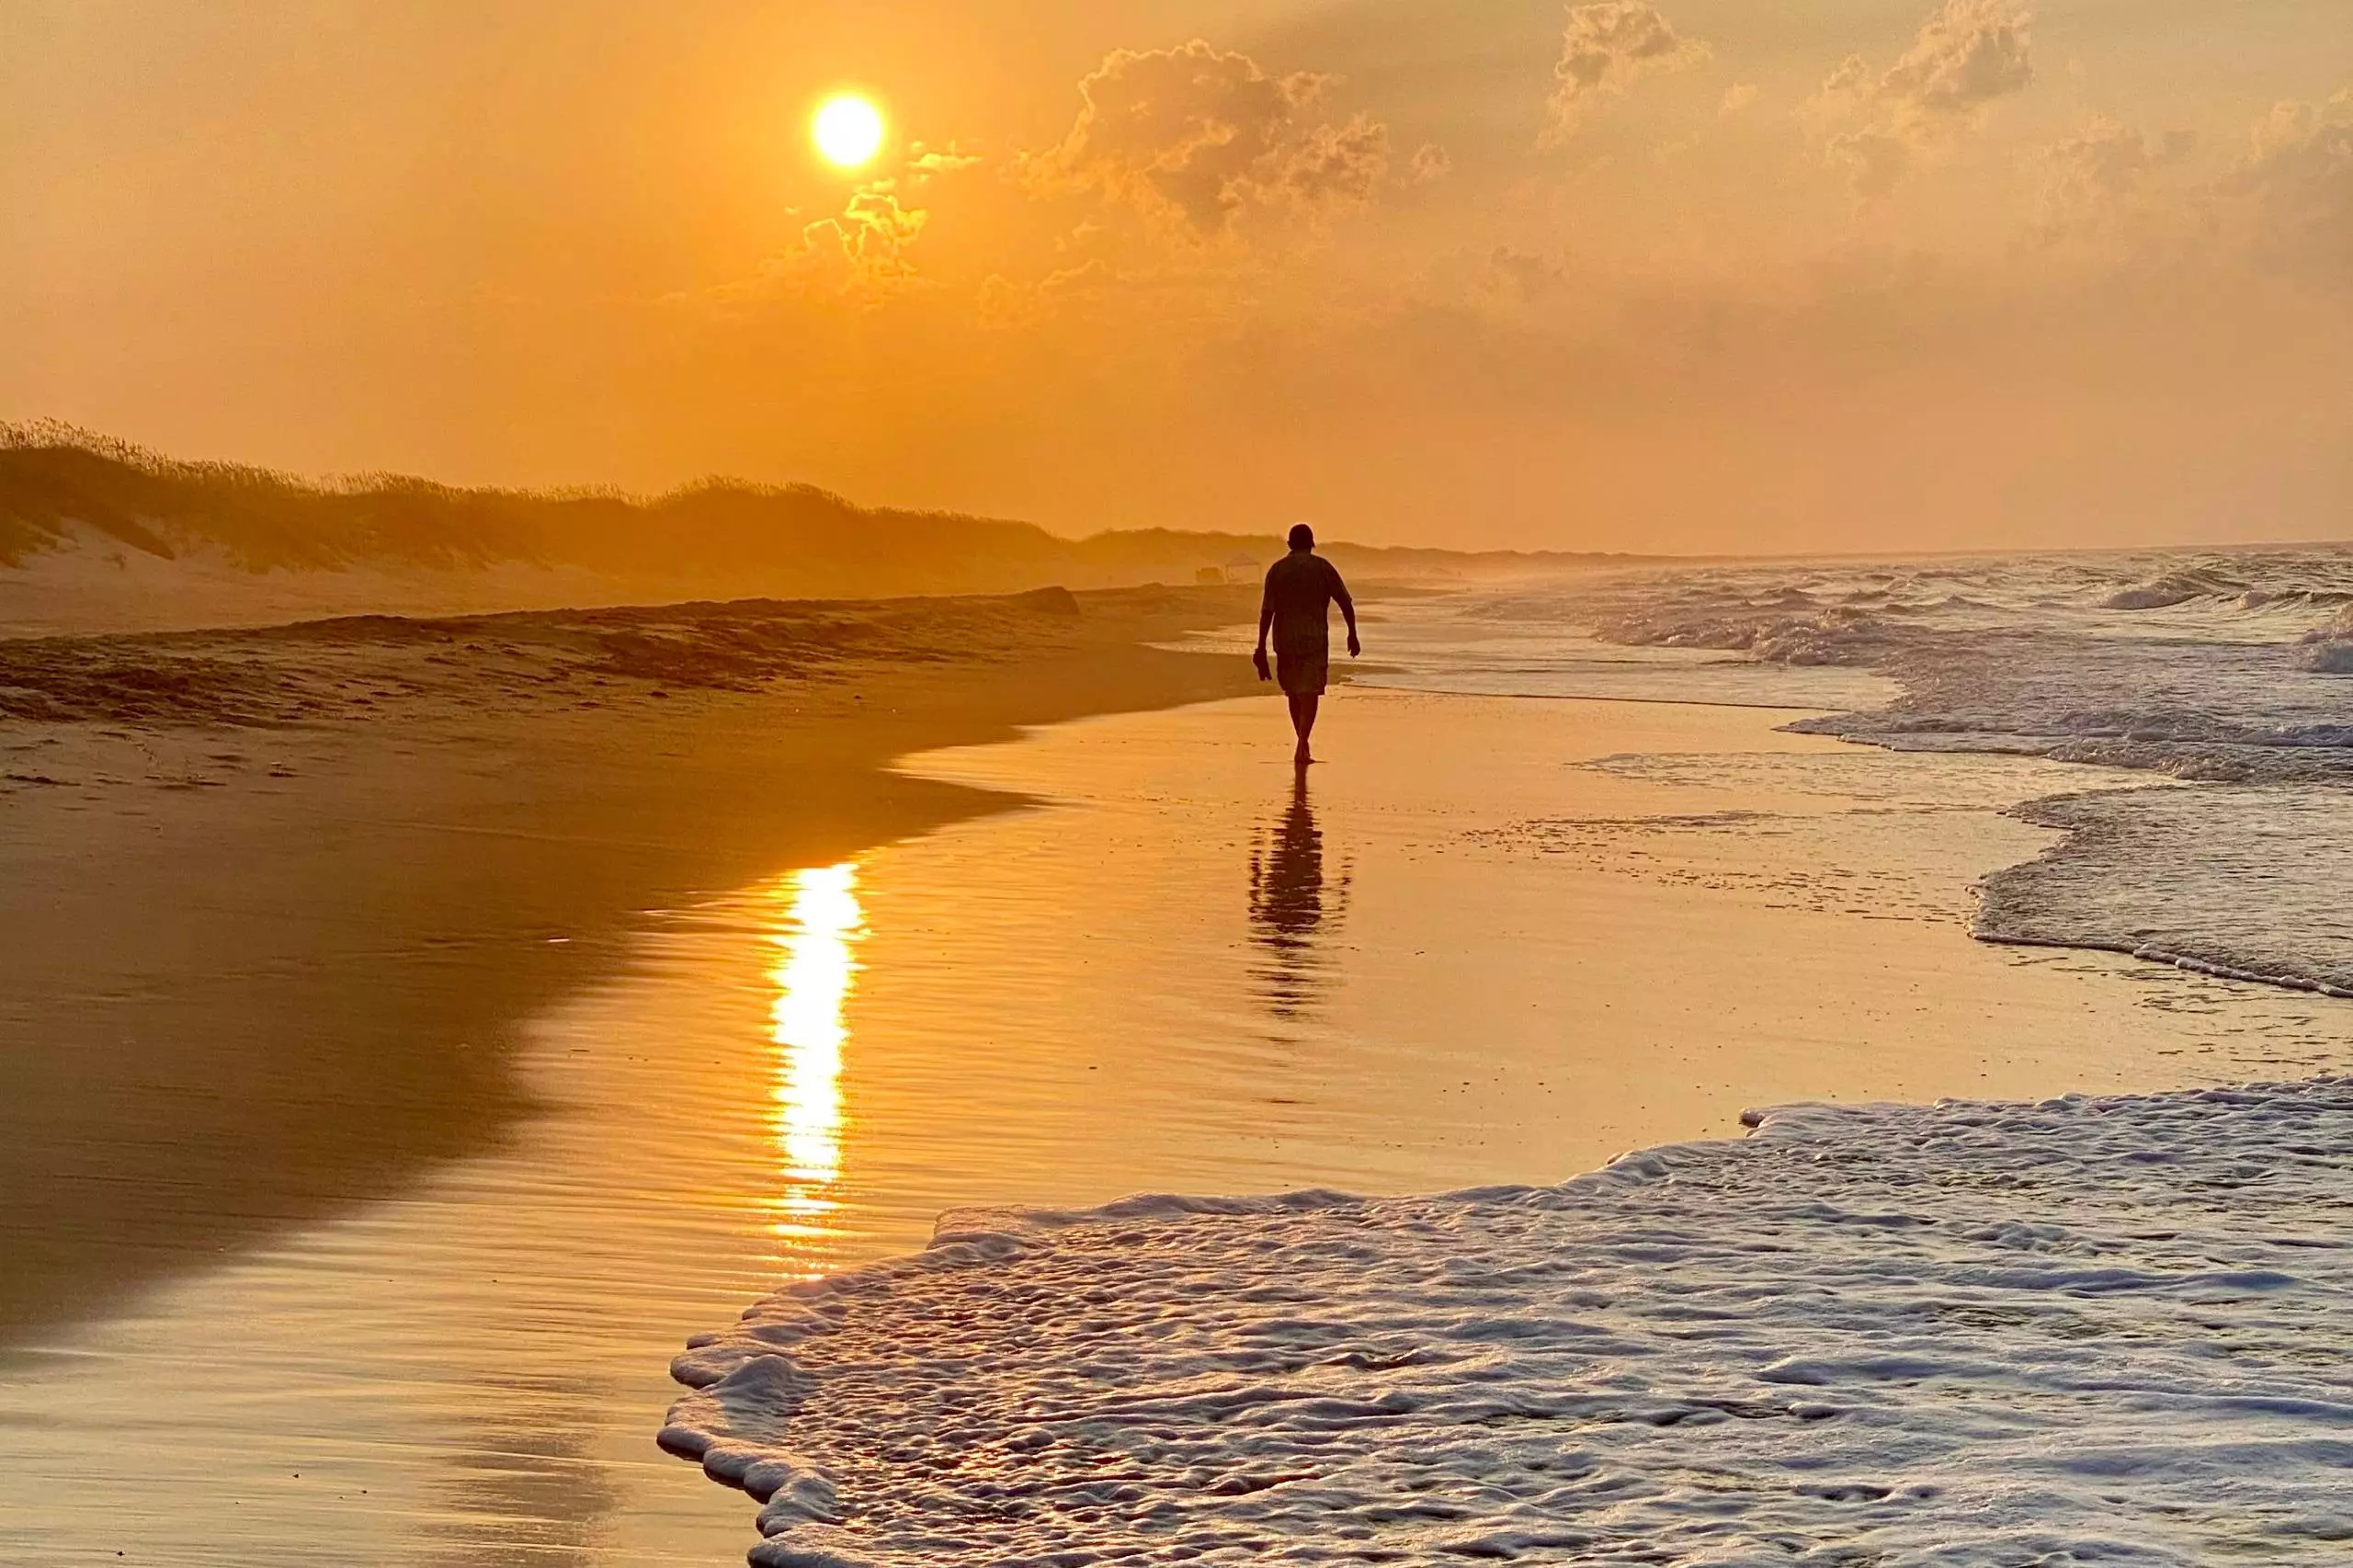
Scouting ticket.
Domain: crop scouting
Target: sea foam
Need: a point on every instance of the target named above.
(2088, 1330)
(2205, 666)
(2223, 670)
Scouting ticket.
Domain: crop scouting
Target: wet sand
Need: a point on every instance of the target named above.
(278, 902)
(1494, 940)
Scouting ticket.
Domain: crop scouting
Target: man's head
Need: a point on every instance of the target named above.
(1301, 536)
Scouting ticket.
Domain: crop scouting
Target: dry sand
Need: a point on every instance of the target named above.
(277, 901)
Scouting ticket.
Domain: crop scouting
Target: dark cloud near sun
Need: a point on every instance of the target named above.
(1194, 137)
(864, 254)
(947, 160)
(860, 254)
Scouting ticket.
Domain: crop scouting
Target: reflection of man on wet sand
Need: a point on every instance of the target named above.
(1291, 906)
(1300, 589)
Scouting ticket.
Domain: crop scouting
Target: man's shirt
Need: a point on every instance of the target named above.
(1301, 588)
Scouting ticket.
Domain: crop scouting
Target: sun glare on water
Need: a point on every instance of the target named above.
(813, 981)
(848, 131)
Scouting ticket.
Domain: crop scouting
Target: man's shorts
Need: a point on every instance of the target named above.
(1303, 672)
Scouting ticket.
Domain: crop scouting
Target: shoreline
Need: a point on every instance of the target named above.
(1977, 1324)
(274, 968)
(1053, 1007)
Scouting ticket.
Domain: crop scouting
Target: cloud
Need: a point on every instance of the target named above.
(1193, 137)
(1519, 274)
(2284, 205)
(873, 232)
(1004, 303)
(1334, 166)
(1605, 49)
(860, 253)
(947, 160)
(1430, 161)
(2103, 162)
(1850, 83)
(1876, 161)
(2296, 180)
(1969, 55)
(2102, 169)
(1737, 97)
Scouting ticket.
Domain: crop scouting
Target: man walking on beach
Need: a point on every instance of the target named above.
(1300, 589)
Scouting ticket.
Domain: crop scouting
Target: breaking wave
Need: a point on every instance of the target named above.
(2110, 1329)
(2211, 667)
(2226, 671)
(2247, 882)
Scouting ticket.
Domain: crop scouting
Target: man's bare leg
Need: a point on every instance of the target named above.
(1302, 719)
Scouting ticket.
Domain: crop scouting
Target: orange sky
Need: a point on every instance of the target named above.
(1716, 275)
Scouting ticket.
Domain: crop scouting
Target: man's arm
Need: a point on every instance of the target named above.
(1266, 624)
(1348, 610)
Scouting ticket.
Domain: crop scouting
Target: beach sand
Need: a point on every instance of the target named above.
(625, 1016)
(278, 901)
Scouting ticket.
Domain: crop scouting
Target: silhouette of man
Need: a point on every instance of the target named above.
(1300, 589)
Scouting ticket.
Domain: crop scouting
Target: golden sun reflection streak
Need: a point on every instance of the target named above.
(813, 981)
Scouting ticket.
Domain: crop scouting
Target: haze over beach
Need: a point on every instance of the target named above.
(643, 817)
(100, 535)
(1717, 277)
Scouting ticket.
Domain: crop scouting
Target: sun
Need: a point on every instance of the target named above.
(848, 129)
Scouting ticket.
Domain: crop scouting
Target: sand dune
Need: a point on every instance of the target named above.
(98, 535)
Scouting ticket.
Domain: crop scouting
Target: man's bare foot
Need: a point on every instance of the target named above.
(1300, 758)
